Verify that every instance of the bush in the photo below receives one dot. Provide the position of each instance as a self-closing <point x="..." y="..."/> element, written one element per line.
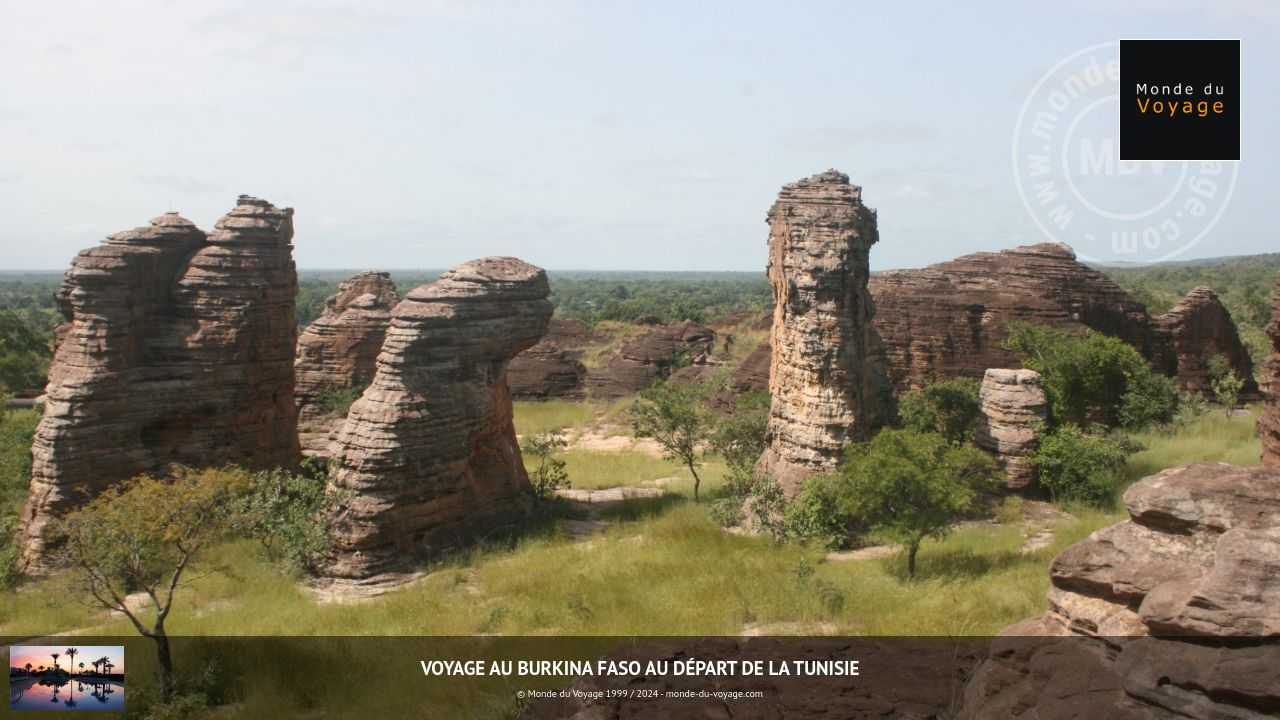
<point x="337" y="403"/>
<point x="286" y="512"/>
<point x="548" y="472"/>
<point x="739" y="438"/>
<point x="1076" y="466"/>
<point x="10" y="552"/>
<point x="1094" y="378"/>
<point x="814" y="515"/>
<point x="726" y="512"/>
<point x="947" y="407"/>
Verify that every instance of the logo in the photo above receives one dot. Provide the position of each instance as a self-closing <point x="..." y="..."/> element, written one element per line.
<point x="1076" y="187"/>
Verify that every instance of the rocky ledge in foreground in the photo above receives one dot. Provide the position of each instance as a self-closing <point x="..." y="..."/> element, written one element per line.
<point x="1174" y="613"/>
<point x="427" y="457"/>
<point x="177" y="347"/>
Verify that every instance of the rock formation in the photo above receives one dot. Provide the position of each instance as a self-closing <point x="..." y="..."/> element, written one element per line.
<point x="1013" y="409"/>
<point x="553" y="368"/>
<point x="427" y="457"/>
<point x="650" y="357"/>
<point x="336" y="354"/>
<point x="1190" y="334"/>
<point x="1174" y="613"/>
<point x="1269" y="423"/>
<point x="177" y="348"/>
<point x="950" y="319"/>
<point x="827" y="379"/>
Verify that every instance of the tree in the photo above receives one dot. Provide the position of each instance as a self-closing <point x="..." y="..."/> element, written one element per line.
<point x="143" y="535"/>
<point x="739" y="438"/>
<point x="24" y="353"/>
<point x="286" y="511"/>
<point x="548" y="473"/>
<point x="55" y="661"/>
<point x="908" y="485"/>
<point x="71" y="653"/>
<point x="81" y="668"/>
<point x="947" y="407"/>
<point x="1224" y="382"/>
<point x="1079" y="466"/>
<point x="675" y="416"/>
<point x="28" y="667"/>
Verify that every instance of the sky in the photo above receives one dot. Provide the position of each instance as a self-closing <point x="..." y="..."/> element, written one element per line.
<point x="37" y="655"/>
<point x="575" y="135"/>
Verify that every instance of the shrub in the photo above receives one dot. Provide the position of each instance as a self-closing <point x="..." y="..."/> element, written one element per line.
<point x="726" y="512"/>
<point x="947" y="407"/>
<point x="337" y="403"/>
<point x="739" y="438"/>
<point x="1080" y="467"/>
<point x="10" y="552"/>
<point x="814" y="515"/>
<point x="1224" y="382"/>
<point x="908" y="486"/>
<point x="548" y="472"/>
<point x="286" y="512"/>
<point x="676" y="417"/>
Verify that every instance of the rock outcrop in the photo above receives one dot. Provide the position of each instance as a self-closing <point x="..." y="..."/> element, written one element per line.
<point x="177" y="348"/>
<point x="950" y="319"/>
<point x="650" y="357"/>
<point x="1269" y="422"/>
<point x="427" y="457"/>
<point x="1174" y="613"/>
<point x="1193" y="332"/>
<point x="336" y="354"/>
<point x="1013" y="411"/>
<point x="827" y="379"/>
<point x="553" y="368"/>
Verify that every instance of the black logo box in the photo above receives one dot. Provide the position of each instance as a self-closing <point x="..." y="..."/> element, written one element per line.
<point x="1187" y="68"/>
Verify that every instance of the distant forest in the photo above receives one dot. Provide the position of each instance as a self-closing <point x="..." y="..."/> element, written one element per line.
<point x="1246" y="283"/>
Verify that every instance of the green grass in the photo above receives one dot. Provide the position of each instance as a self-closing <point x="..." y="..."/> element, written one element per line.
<point x="1210" y="437"/>
<point x="536" y="417"/>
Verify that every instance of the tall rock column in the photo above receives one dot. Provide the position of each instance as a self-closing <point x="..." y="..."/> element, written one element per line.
<point x="338" y="353"/>
<point x="1013" y="410"/>
<point x="427" y="457"/>
<point x="827" y="378"/>
<point x="1269" y="423"/>
<point x="177" y="347"/>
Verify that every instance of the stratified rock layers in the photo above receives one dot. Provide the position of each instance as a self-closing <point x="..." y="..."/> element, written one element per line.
<point x="1013" y="410"/>
<point x="1269" y="422"/>
<point x="1193" y="332"/>
<point x="336" y="354"/>
<point x="827" y="377"/>
<point x="1174" y="613"/>
<point x="653" y="356"/>
<point x="427" y="457"/>
<point x="177" y="348"/>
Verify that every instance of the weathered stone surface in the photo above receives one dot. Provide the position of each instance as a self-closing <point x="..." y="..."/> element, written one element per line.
<point x="427" y="457"/>
<point x="652" y="356"/>
<point x="1269" y="422"/>
<point x="827" y="378"/>
<point x="1193" y="331"/>
<point x="553" y="368"/>
<point x="1197" y="564"/>
<point x="177" y="348"/>
<point x="1013" y="410"/>
<point x="950" y="319"/>
<point x="336" y="353"/>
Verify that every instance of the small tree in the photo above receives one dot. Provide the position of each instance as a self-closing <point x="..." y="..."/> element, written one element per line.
<point x="1080" y="467"/>
<point x="739" y="438"/>
<point x="947" y="407"/>
<point x="548" y="472"/>
<point x="143" y="535"/>
<point x="1224" y="382"/>
<point x="286" y="511"/>
<point x="908" y="485"/>
<point x="675" y="416"/>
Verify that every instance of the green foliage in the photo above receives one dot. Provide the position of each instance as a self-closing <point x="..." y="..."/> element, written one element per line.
<point x="814" y="515"/>
<point x="739" y="438"/>
<point x="1094" y="377"/>
<point x="548" y="472"/>
<point x="1226" y="385"/>
<point x="337" y="403"/>
<point x="947" y="407"/>
<point x="908" y="486"/>
<point x="669" y="297"/>
<point x="286" y="512"/>
<point x="1076" y="466"/>
<point x="17" y="429"/>
<point x="25" y="353"/>
<point x="10" y="552"/>
<point x="726" y="512"/>
<point x="676" y="417"/>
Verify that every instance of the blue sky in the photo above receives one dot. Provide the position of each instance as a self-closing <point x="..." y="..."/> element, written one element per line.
<point x="602" y="135"/>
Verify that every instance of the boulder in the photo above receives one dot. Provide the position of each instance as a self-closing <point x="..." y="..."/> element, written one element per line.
<point x="827" y="379"/>
<point x="337" y="352"/>
<point x="553" y="368"/>
<point x="427" y="458"/>
<point x="1188" y="336"/>
<point x="176" y="347"/>
<point x="1174" y="613"/>
<point x="1012" y="414"/>
<point x="650" y="357"/>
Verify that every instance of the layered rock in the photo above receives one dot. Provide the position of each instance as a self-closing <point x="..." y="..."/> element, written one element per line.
<point x="553" y="368"/>
<point x="177" y="347"/>
<point x="1193" y="332"/>
<point x="427" y="457"/>
<point x="1269" y="422"/>
<point x="336" y="354"/>
<point x="952" y="318"/>
<point x="1172" y="613"/>
<point x="1011" y="416"/>
<point x="650" y="357"/>
<point x="827" y="377"/>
